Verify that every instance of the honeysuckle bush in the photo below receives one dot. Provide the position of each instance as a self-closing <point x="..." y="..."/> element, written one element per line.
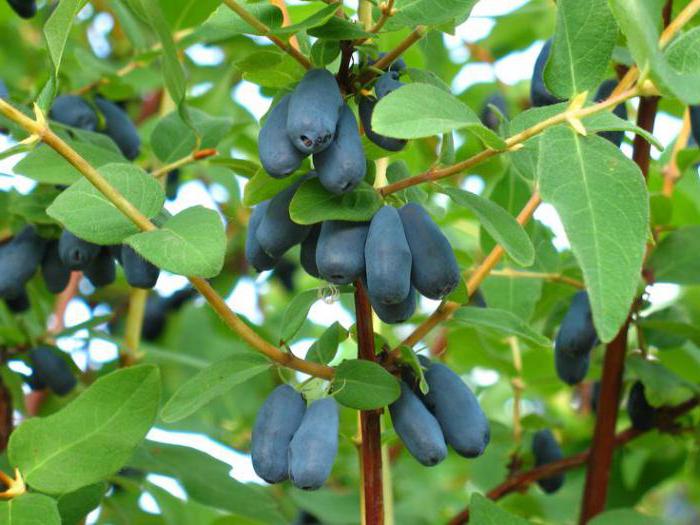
<point x="193" y="366"/>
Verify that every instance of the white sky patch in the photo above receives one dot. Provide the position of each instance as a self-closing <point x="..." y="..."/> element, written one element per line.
<point x="325" y="314"/>
<point x="518" y="65"/>
<point x="662" y="294"/>
<point x="208" y="56"/>
<point x="483" y="376"/>
<point x="169" y="283"/>
<point x="548" y="216"/>
<point x="241" y="464"/>
<point x="477" y="73"/>
<point x="169" y="484"/>
<point x="474" y="184"/>
<point x="244" y="300"/>
<point x="248" y="95"/>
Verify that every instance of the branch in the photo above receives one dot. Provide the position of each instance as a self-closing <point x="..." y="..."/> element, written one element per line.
<point x="384" y="62"/>
<point x="265" y="31"/>
<point x="184" y="161"/>
<point x="522" y="480"/>
<point x="40" y="129"/>
<point x="370" y="420"/>
<point x="671" y="173"/>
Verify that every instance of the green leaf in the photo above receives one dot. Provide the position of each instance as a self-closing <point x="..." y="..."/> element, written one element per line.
<point x="624" y="517"/>
<point x="30" y="509"/>
<point x="339" y="29"/>
<point x="486" y="512"/>
<point x="173" y="73"/>
<point x="224" y="23"/>
<point x="312" y="203"/>
<point x="675" y="258"/>
<point x="44" y="165"/>
<point x="74" y="506"/>
<point x="296" y="313"/>
<point x="325" y="347"/>
<point x="638" y="23"/>
<point x="57" y="29"/>
<point x="411" y="13"/>
<point x="92" y="437"/>
<point x="364" y="385"/>
<point x="207" y="481"/>
<point x="323" y="52"/>
<point x="262" y="187"/>
<point x="583" y="43"/>
<point x="212" y="382"/>
<point x="602" y="200"/>
<point x="500" y="322"/>
<point x="193" y="242"/>
<point x="661" y="385"/>
<point x="423" y="110"/>
<point x="499" y="223"/>
<point x="87" y="213"/>
<point x="173" y="139"/>
<point x="683" y="53"/>
<point x="318" y="18"/>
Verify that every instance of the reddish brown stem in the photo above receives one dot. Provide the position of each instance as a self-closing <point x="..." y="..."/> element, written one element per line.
<point x="5" y="416"/>
<point x="598" y="473"/>
<point x="370" y="423"/>
<point x="521" y="480"/>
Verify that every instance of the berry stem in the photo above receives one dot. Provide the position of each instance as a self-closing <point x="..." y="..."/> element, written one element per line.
<point x="134" y="323"/>
<point x="370" y="420"/>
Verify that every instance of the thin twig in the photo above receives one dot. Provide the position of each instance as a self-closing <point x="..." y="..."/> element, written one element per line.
<point x="671" y="172"/>
<point x="41" y="130"/>
<point x="552" y="277"/>
<point x="134" y="324"/>
<point x="184" y="161"/>
<point x="265" y="31"/>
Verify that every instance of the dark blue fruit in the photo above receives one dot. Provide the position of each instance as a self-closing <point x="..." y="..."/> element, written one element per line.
<point x="489" y="116"/>
<point x="695" y="123"/>
<point x="284" y="273"/>
<point x="577" y="335"/>
<point x="571" y="368"/>
<point x="254" y="253"/>
<point x="365" y="109"/>
<point x="119" y="128"/>
<point x="276" y="232"/>
<point x="456" y="408"/>
<point x="395" y="313"/>
<point x="19" y="302"/>
<point x="340" y="251"/>
<point x="52" y="370"/>
<point x="418" y="429"/>
<point x="387" y="258"/>
<point x="314" y="446"/>
<point x="277" y="421"/>
<point x="604" y="91"/>
<point x="641" y="413"/>
<point x="477" y="299"/>
<point x="4" y="93"/>
<point x="56" y="274"/>
<point x="539" y="94"/>
<point x="307" y="256"/>
<point x="546" y="450"/>
<point x="138" y="271"/>
<point x="74" y="111"/>
<point x="76" y="253"/>
<point x="387" y="83"/>
<point x="434" y="272"/>
<point x="314" y="109"/>
<point x="172" y="182"/>
<point x="24" y="8"/>
<point x="157" y="309"/>
<point x="102" y="270"/>
<point x="19" y="260"/>
<point x="343" y="165"/>
<point x="278" y="155"/>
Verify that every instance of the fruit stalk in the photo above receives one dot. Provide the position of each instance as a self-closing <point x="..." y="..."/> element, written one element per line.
<point x="370" y="420"/>
<point x="134" y="323"/>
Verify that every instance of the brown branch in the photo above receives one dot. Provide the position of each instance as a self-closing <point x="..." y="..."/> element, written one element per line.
<point x="522" y="480"/>
<point x="6" y="422"/>
<point x="388" y="59"/>
<point x="671" y="172"/>
<point x="370" y="420"/>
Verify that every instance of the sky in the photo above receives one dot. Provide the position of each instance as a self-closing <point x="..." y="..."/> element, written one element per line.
<point x="509" y="70"/>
